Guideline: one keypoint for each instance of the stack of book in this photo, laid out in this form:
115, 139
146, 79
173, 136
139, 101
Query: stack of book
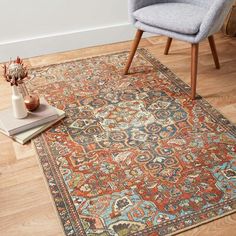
22, 130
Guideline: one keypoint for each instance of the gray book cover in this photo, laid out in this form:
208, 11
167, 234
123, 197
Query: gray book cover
45, 113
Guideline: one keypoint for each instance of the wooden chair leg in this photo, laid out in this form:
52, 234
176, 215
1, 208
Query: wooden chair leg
168, 44
133, 50
194, 66
214, 51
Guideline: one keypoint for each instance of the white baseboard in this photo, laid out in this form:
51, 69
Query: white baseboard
67, 41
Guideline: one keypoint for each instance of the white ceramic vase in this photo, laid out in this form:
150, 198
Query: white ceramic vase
18, 105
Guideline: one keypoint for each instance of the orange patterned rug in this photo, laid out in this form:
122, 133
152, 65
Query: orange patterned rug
134, 156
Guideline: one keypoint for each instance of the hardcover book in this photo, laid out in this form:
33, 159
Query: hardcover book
44, 114
31, 133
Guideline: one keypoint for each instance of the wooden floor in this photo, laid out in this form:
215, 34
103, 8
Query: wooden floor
26, 207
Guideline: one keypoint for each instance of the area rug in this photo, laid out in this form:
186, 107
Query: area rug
134, 156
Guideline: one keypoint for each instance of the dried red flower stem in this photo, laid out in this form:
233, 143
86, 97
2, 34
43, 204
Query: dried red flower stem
15, 72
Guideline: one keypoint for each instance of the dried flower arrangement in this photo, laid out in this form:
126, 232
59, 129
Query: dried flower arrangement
15, 72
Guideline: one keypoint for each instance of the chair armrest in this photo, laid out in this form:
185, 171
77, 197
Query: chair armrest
214, 19
134, 5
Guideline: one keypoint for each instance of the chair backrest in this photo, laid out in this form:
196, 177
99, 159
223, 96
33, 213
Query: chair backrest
203, 3
134, 5
214, 19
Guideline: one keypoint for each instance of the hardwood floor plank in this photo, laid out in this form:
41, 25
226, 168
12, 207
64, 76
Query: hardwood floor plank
19, 173
26, 195
36, 221
23, 151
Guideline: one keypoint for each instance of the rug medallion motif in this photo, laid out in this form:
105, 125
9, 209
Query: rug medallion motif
134, 155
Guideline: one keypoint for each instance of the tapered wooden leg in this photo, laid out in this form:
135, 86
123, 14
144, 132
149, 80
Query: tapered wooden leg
214, 51
194, 66
168, 44
133, 50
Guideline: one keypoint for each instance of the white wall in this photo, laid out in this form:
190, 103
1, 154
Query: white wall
30, 28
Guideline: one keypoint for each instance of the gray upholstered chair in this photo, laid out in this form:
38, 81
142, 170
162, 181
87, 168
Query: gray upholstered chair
187, 20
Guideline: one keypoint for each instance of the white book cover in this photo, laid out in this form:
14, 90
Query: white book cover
44, 114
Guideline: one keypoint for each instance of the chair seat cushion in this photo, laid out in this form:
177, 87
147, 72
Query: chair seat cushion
178, 17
